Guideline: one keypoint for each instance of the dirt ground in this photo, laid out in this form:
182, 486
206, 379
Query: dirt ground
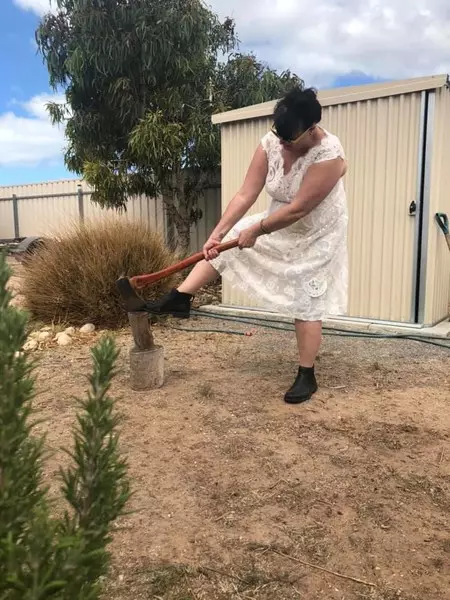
239, 496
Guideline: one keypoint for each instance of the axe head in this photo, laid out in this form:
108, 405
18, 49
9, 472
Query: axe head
131, 301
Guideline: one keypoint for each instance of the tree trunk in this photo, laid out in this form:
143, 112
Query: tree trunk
178, 207
183, 240
179, 227
180, 199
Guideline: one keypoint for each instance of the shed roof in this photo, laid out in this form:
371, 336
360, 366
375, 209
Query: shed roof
342, 95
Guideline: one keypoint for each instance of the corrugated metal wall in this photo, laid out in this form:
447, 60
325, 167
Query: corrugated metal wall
139, 208
211, 211
438, 256
54, 207
49, 209
381, 139
6, 220
239, 141
62, 186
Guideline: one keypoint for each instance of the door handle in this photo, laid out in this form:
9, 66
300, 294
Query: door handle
412, 208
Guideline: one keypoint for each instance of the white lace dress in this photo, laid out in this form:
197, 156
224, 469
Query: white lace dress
300, 271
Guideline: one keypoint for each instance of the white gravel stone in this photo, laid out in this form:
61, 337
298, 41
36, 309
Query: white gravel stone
43, 336
88, 328
30, 345
64, 339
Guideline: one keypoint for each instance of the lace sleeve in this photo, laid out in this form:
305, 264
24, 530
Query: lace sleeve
330, 150
267, 142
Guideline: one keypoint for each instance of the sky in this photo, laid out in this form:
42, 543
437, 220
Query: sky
328, 43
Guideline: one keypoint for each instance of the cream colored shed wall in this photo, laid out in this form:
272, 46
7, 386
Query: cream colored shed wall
381, 140
239, 141
438, 257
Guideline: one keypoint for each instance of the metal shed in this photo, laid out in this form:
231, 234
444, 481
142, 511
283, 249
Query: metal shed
396, 137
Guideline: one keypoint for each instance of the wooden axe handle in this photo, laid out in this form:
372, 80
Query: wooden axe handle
140, 281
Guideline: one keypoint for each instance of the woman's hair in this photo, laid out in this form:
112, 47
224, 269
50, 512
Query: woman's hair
297, 112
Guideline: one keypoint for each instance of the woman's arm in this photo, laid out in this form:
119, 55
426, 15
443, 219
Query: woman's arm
246, 196
319, 181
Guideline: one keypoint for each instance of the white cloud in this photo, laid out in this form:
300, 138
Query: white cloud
30, 140
322, 39
325, 38
39, 7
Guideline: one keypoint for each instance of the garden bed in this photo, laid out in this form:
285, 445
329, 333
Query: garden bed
237, 495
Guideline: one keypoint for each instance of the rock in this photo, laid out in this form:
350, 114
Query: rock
43, 336
64, 340
69, 330
88, 328
30, 345
46, 328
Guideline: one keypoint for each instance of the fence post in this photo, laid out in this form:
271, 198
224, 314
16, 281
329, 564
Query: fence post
80, 203
16, 216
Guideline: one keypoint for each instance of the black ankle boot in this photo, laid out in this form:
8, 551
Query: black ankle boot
304, 386
175, 303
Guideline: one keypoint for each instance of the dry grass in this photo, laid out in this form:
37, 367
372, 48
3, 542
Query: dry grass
73, 278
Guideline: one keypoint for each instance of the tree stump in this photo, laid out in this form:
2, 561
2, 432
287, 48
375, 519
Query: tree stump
146, 358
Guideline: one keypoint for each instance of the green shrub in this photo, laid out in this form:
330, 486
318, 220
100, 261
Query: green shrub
73, 278
43, 557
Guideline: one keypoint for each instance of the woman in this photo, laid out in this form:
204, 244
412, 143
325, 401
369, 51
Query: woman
293, 257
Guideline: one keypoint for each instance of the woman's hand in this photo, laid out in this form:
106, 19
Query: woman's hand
209, 251
248, 237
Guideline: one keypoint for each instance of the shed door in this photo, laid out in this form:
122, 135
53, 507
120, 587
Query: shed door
384, 140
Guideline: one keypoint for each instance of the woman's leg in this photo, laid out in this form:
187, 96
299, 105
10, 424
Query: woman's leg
202, 274
309, 337
178, 301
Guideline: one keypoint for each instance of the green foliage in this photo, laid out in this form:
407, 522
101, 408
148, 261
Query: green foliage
243, 80
142, 81
42, 557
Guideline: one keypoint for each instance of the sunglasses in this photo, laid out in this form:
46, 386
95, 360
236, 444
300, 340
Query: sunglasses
295, 140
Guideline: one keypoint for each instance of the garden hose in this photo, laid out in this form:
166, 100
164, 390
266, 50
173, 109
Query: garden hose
327, 331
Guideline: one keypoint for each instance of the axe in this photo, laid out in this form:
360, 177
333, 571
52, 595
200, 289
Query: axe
127, 286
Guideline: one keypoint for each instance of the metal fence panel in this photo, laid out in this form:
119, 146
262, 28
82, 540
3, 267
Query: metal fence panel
48, 208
